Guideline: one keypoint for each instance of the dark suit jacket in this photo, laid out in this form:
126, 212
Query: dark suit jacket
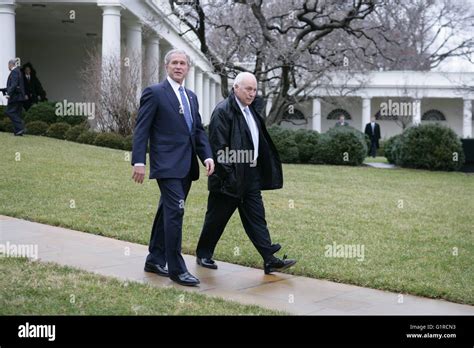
15, 86
375, 136
173, 148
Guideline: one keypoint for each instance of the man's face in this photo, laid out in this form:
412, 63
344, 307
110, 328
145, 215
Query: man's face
11, 67
341, 119
246, 90
178, 67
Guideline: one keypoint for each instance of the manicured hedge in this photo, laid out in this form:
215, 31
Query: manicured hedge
37, 128
430, 146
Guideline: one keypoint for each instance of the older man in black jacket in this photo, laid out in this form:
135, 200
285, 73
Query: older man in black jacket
246, 162
16, 96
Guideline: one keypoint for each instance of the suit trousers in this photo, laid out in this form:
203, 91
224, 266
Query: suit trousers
221, 207
14, 113
166, 233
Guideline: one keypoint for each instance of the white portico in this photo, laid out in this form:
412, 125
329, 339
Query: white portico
416, 97
55, 36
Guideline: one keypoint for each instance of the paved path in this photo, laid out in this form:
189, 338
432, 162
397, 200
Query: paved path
380, 165
293, 294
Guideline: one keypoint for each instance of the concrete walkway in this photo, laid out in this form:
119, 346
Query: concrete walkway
296, 295
380, 165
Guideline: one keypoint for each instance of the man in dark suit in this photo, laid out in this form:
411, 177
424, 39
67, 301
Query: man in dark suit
372, 129
16, 96
169, 118
342, 122
252, 165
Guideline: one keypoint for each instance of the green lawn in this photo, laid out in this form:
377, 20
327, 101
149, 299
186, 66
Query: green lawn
416, 226
34, 288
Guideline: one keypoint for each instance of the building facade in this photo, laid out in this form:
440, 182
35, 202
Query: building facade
56, 35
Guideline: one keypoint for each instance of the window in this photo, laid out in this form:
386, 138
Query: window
334, 115
433, 115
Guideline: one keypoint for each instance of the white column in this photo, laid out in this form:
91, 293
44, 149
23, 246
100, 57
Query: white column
467, 119
269, 105
365, 112
199, 90
190, 80
218, 93
316, 120
205, 100
110, 32
416, 112
133, 58
152, 61
212, 93
8, 48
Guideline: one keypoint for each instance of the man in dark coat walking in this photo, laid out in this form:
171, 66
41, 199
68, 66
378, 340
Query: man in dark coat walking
246, 163
16, 96
372, 129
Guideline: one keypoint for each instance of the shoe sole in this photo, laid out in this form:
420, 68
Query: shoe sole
151, 270
205, 266
280, 269
185, 284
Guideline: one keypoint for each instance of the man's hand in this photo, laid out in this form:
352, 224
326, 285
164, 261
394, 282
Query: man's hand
209, 166
138, 174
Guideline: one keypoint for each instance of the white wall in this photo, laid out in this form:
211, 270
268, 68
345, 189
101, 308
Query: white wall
451, 108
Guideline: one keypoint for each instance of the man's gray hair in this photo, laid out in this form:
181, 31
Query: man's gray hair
241, 76
12, 62
176, 51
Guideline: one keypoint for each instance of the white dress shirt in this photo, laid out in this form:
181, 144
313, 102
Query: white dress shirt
249, 118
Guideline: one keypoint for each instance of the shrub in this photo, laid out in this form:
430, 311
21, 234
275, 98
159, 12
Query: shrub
73, 133
3, 108
58, 130
128, 143
320, 154
306, 142
112, 140
37, 128
381, 149
44, 111
391, 147
345, 145
430, 146
87, 137
284, 140
6, 125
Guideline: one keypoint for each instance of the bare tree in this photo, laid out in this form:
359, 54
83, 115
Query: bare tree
289, 46
113, 86
425, 33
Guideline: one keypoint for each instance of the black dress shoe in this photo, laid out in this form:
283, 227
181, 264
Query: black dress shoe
208, 263
20, 133
155, 268
186, 279
278, 265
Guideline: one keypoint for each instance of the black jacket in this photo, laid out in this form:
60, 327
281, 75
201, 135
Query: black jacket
228, 129
15, 86
374, 136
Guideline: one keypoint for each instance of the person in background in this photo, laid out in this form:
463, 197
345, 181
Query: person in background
15, 93
33, 89
342, 122
372, 129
